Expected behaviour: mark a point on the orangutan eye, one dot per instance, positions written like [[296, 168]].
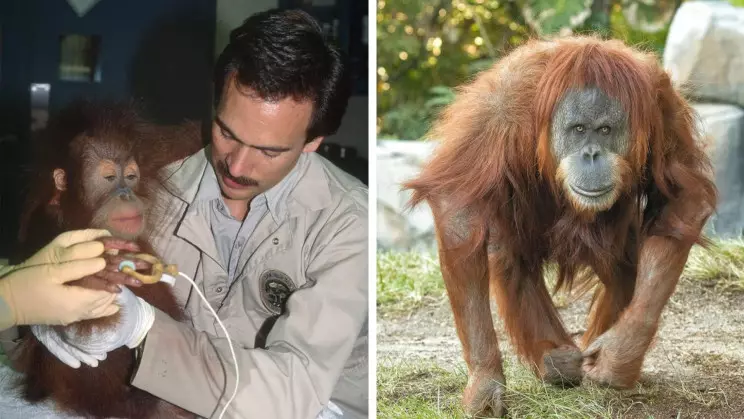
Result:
[[579, 128], [110, 178], [604, 130], [131, 177]]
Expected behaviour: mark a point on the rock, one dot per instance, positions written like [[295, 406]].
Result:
[[399, 228], [723, 127], [704, 51]]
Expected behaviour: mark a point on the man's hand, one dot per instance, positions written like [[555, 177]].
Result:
[[83, 244], [38, 294], [72, 245], [65, 352], [36, 291], [71, 347]]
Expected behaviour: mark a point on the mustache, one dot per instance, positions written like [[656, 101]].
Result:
[[242, 180]]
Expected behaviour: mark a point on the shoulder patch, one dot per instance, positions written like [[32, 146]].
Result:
[[276, 287]]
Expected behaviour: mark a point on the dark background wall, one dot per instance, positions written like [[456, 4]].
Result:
[[158, 52]]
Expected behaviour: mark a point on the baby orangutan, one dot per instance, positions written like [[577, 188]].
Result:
[[96, 166]]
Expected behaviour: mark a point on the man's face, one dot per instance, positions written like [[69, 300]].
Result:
[[256, 143]]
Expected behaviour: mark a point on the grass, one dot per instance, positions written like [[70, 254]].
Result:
[[425, 390], [416, 388], [410, 281], [721, 266]]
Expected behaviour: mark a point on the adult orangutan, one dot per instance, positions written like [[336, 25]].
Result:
[[95, 166], [578, 152]]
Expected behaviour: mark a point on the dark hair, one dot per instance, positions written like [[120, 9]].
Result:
[[283, 53]]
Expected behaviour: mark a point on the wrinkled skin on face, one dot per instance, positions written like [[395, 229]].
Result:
[[590, 142], [110, 179], [256, 142], [108, 185]]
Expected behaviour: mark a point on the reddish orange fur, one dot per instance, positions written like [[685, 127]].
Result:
[[494, 189], [103, 391]]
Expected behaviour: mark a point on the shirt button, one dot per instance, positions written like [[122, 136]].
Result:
[[219, 289], [275, 241]]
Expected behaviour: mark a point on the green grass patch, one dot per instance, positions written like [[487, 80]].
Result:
[[721, 265], [424, 390], [417, 389], [407, 281]]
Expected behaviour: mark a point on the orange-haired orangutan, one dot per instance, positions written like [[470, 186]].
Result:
[[576, 152], [95, 166]]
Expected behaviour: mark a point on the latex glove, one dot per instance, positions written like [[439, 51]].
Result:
[[68, 246], [38, 294], [136, 317]]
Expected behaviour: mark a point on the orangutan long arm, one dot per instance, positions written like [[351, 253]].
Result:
[[662, 260]]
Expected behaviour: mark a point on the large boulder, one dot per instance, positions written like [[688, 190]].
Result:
[[704, 51], [723, 130], [398, 227]]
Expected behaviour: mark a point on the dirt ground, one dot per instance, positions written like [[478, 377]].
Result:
[[696, 365]]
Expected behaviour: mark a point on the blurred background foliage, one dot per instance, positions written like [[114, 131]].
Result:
[[426, 47]]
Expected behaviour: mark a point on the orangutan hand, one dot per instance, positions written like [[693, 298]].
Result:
[[110, 278], [616, 356]]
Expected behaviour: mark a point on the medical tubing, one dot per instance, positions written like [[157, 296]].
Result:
[[227, 335], [170, 280]]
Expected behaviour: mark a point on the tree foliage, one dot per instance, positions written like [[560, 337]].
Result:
[[426, 47]]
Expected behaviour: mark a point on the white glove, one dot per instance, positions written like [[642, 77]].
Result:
[[66, 353], [330, 411], [135, 319]]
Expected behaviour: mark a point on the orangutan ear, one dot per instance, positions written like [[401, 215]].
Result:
[[60, 181], [60, 184]]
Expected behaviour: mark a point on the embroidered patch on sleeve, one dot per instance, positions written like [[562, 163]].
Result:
[[276, 287]]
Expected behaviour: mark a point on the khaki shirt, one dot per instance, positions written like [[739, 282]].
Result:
[[317, 254]]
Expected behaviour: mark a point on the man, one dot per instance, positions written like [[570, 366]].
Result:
[[273, 235]]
